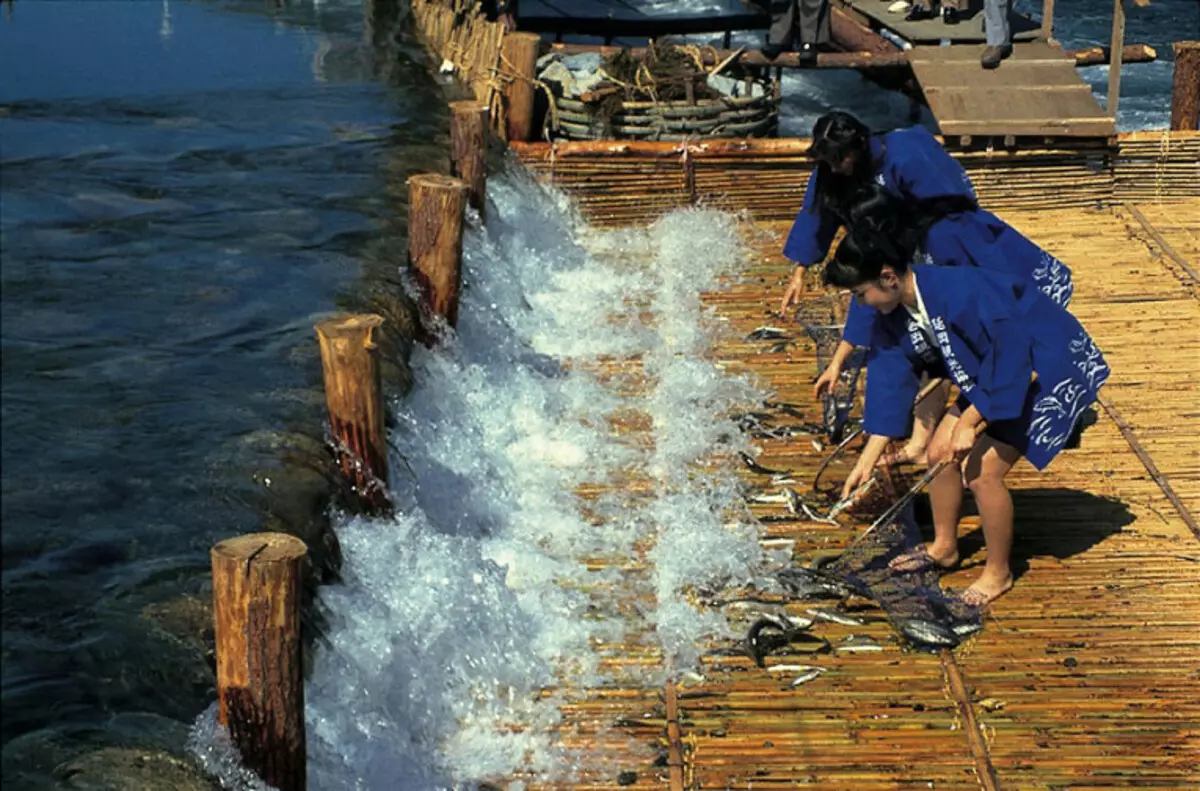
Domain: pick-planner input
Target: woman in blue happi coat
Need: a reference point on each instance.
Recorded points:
(1021, 362)
(856, 173)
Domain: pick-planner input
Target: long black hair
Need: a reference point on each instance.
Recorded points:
(837, 135)
(860, 258)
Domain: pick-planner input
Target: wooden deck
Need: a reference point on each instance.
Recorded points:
(1037, 92)
(934, 31)
(1087, 675)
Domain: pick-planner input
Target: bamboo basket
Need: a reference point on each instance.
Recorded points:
(669, 121)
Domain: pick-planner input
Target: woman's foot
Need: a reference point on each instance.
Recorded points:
(921, 9)
(986, 590)
(924, 557)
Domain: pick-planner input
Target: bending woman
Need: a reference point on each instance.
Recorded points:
(1021, 362)
(940, 231)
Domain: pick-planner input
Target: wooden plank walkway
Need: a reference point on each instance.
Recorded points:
(1088, 673)
(932, 31)
(1036, 92)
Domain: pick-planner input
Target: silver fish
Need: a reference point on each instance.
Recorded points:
(804, 678)
(967, 628)
(794, 668)
(799, 623)
(836, 617)
(858, 648)
(928, 633)
(766, 334)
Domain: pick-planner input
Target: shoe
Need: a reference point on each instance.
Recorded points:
(919, 11)
(807, 53)
(950, 16)
(993, 55)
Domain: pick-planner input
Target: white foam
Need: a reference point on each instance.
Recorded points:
(456, 615)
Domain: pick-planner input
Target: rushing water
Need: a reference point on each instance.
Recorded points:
(186, 187)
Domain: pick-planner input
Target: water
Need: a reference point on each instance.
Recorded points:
(186, 187)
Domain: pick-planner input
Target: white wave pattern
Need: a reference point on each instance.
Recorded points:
(455, 616)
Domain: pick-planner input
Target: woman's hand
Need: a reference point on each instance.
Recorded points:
(858, 476)
(939, 449)
(962, 442)
(795, 290)
(827, 380)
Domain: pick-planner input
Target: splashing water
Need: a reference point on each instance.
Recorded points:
(463, 622)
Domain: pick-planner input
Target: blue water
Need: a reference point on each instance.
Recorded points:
(186, 187)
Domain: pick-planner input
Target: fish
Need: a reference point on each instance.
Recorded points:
(765, 333)
(859, 648)
(807, 676)
(793, 500)
(781, 347)
(929, 633)
(966, 628)
(798, 623)
(793, 668)
(836, 617)
(770, 499)
(769, 634)
(690, 678)
(754, 466)
(817, 445)
(807, 584)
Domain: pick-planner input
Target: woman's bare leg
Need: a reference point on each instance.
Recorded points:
(945, 496)
(985, 470)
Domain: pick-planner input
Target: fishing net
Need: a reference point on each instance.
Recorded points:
(918, 608)
(823, 325)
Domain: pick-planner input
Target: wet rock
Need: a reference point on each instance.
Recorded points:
(123, 768)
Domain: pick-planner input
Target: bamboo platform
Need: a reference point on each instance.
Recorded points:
(1088, 673)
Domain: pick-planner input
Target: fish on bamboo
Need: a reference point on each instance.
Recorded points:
(967, 628)
(807, 676)
(755, 467)
(835, 617)
(928, 633)
(792, 668)
(808, 584)
(766, 333)
(770, 634)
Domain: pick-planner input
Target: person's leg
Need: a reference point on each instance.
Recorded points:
(985, 470)
(920, 9)
(999, 34)
(783, 20)
(813, 23)
(945, 498)
(953, 10)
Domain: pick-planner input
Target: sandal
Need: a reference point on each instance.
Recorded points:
(918, 560)
(976, 599)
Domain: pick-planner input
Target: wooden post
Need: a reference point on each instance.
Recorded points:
(468, 144)
(1047, 19)
(518, 60)
(1114, 68)
(1185, 86)
(260, 689)
(435, 212)
(354, 395)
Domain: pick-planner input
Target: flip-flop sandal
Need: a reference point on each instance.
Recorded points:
(912, 562)
(977, 599)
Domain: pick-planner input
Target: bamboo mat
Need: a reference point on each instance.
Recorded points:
(1088, 673)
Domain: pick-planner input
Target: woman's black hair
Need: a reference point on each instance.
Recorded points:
(860, 259)
(837, 135)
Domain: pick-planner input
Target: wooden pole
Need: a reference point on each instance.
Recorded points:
(468, 143)
(518, 59)
(260, 689)
(1114, 69)
(1185, 86)
(354, 395)
(435, 213)
(1048, 19)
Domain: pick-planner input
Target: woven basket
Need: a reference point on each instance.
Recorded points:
(675, 120)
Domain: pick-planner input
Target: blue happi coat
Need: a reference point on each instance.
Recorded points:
(993, 332)
(913, 165)
(978, 239)
(910, 163)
